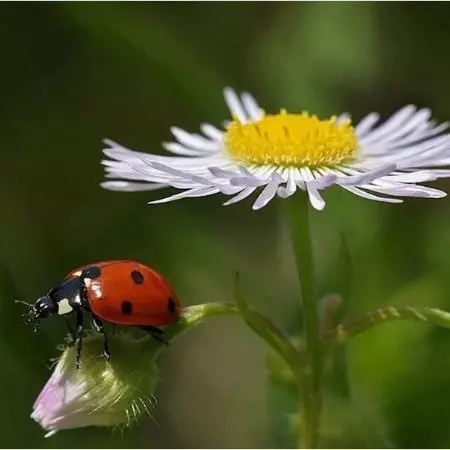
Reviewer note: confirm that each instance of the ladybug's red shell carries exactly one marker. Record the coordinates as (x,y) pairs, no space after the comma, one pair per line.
(128,293)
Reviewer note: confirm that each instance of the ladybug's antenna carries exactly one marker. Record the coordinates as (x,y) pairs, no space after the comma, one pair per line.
(23,302)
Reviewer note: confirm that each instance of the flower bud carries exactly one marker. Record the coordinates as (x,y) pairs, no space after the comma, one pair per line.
(100,393)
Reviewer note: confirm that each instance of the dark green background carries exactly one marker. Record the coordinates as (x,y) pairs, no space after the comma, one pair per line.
(72,74)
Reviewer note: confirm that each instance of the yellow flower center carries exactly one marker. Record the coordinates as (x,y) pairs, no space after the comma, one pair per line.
(298,140)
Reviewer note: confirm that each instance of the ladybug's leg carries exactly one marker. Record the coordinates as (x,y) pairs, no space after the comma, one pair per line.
(155,332)
(99,328)
(80,329)
(71,331)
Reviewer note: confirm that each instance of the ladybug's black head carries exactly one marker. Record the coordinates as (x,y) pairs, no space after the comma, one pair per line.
(44,307)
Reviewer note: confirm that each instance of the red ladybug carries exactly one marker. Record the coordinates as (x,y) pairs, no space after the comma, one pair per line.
(119,292)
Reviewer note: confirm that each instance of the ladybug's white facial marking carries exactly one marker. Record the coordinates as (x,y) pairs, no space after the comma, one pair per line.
(87,282)
(77,273)
(64,307)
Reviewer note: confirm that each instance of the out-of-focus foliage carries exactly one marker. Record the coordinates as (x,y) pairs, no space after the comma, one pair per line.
(74,73)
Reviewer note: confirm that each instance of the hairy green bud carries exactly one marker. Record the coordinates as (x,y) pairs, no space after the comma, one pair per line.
(100,393)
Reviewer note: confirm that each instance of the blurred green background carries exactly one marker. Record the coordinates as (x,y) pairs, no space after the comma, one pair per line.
(74,73)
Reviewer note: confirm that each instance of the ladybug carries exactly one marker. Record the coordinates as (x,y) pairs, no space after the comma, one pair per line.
(119,292)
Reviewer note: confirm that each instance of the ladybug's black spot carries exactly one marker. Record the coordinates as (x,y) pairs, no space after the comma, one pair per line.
(171,305)
(91,272)
(127,307)
(137,277)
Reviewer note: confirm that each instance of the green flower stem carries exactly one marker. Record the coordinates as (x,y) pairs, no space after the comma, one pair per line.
(297,209)
(192,316)
(344,332)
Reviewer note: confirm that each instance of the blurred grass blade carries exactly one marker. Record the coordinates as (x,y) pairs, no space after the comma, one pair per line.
(267,330)
(282,402)
(282,387)
(339,361)
(347,274)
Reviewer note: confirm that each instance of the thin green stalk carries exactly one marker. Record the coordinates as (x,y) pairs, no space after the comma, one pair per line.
(346,331)
(297,209)
(191,316)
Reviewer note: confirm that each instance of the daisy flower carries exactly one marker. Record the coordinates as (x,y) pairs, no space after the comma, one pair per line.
(271,155)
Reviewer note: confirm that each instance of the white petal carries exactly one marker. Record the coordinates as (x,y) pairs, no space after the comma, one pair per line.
(439,162)
(241,196)
(136,176)
(323,179)
(179,149)
(361,193)
(316,200)
(424,153)
(212,132)
(268,193)
(416,148)
(420,134)
(189,179)
(247,173)
(185,184)
(405,122)
(417,129)
(195,192)
(441,173)
(50,433)
(247,181)
(365,177)
(118,152)
(111,143)
(227,189)
(126,186)
(257,176)
(251,106)
(234,105)
(172,171)
(222,173)
(409,191)
(128,157)
(366,124)
(415,177)
(263,173)
(291,186)
(193,140)
(299,181)
(386,183)
(395,121)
